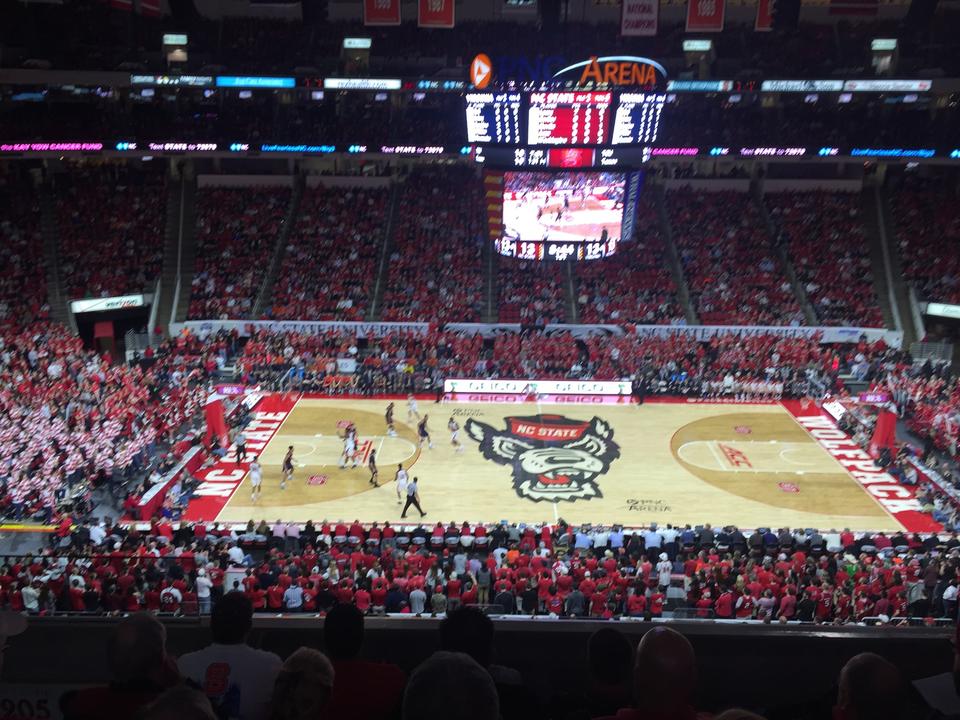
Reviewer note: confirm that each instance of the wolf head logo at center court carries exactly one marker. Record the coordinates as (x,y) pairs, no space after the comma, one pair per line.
(553,457)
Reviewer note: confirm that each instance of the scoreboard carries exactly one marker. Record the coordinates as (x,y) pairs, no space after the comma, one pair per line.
(493,118)
(563,119)
(569,118)
(637,120)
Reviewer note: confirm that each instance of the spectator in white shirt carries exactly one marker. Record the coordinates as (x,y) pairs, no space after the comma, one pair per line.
(31,597)
(236,555)
(204,585)
(950,600)
(242,683)
(600,538)
(97,534)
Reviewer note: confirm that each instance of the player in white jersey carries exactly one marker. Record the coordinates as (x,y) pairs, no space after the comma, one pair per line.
(412,411)
(402,479)
(454,429)
(256,479)
(349,448)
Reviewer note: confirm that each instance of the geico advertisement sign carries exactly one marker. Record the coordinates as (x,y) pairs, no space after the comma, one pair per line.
(548,387)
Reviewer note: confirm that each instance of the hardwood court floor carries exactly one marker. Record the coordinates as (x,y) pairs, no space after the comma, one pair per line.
(748,464)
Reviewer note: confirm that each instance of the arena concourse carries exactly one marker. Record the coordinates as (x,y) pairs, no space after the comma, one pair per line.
(509,362)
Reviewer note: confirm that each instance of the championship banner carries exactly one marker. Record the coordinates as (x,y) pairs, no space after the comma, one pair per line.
(764,21)
(639,17)
(381,12)
(436,13)
(705,15)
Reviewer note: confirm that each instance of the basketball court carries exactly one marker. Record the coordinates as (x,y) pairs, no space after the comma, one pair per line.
(681,462)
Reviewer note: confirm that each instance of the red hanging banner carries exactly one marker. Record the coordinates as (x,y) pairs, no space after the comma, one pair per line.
(381,12)
(705,15)
(884,433)
(764,22)
(435,13)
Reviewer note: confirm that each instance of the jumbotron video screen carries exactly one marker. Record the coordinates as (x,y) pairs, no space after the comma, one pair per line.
(562,215)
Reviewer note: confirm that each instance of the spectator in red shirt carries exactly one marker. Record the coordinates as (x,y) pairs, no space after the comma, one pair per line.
(724,605)
(363,689)
(275,598)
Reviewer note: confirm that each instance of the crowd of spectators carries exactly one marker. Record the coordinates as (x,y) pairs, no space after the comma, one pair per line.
(672,364)
(824,236)
(237,231)
(635,285)
(732,269)
(927,229)
(532,293)
(657,678)
(110,229)
(600,571)
(398,362)
(72,420)
(330,263)
(435,272)
(23,277)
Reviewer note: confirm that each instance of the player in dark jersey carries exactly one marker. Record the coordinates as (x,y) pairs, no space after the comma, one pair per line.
(287,468)
(424,433)
(372,464)
(388,416)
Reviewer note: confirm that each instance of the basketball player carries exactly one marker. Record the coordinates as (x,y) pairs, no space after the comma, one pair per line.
(388,416)
(256,479)
(424,433)
(454,429)
(287,468)
(372,464)
(349,447)
(401,479)
(412,411)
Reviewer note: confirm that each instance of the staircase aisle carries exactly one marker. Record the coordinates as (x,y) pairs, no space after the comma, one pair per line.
(673,256)
(50,231)
(265,296)
(383,269)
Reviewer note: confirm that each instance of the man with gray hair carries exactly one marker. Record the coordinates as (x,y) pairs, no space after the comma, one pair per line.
(443,681)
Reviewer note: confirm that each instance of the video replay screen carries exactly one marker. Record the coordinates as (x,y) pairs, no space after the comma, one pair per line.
(577,207)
